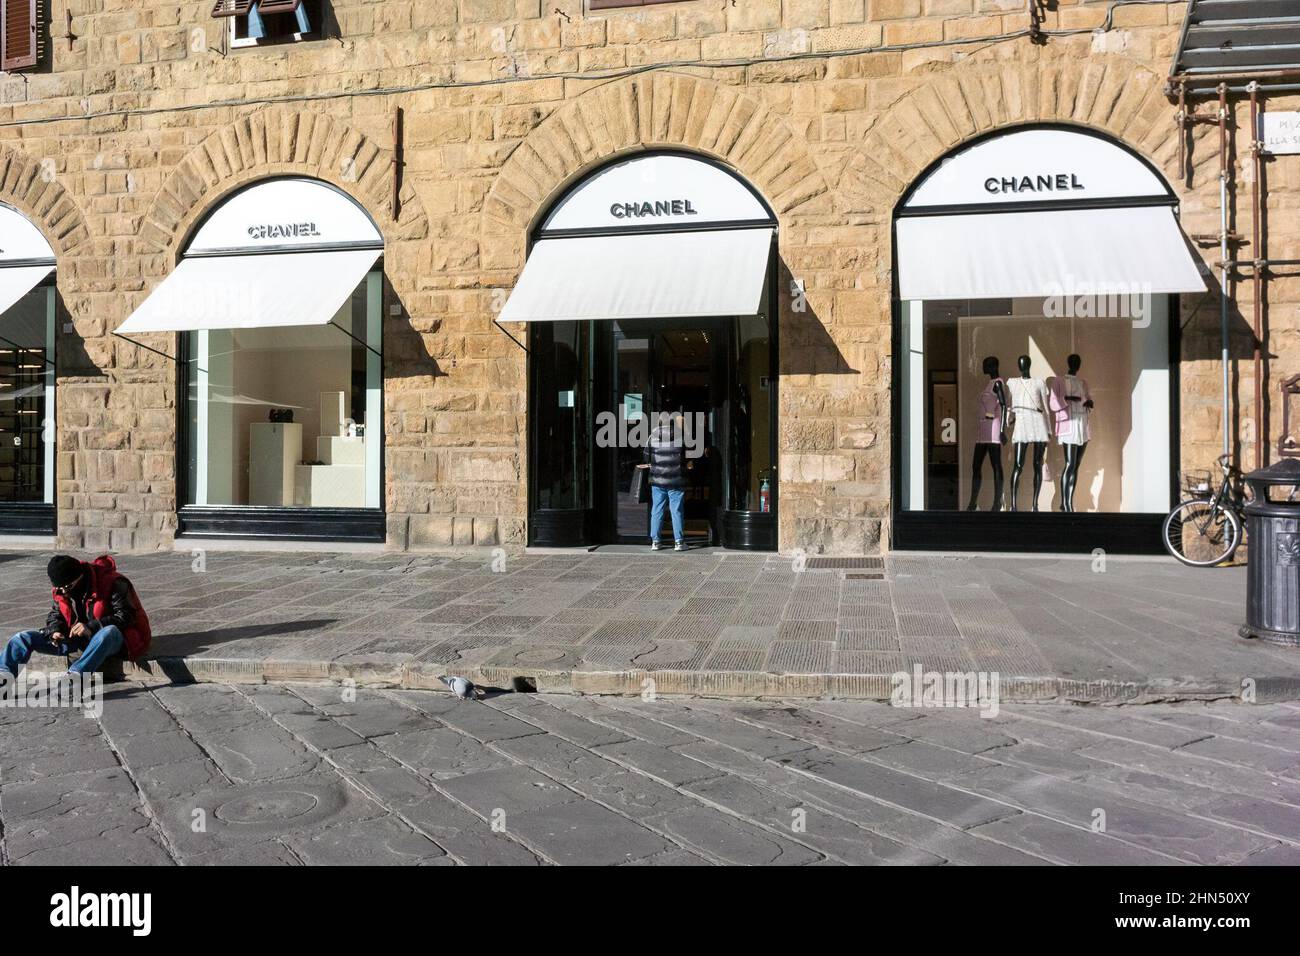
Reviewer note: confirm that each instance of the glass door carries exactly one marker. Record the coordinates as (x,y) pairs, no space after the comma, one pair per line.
(667,369)
(633,401)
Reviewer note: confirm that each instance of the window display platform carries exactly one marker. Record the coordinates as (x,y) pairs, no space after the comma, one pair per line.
(35,518)
(1028,532)
(284,524)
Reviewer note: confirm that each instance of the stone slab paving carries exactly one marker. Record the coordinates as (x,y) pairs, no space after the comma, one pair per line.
(717,624)
(290,774)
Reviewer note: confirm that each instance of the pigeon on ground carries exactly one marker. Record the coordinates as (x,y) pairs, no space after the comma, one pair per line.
(461,687)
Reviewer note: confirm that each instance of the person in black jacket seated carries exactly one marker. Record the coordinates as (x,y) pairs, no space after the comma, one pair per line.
(665,456)
(94,610)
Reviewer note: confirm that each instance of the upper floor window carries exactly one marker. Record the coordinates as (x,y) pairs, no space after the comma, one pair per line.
(20,40)
(256,22)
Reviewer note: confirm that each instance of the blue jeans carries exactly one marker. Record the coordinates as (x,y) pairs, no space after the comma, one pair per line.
(106,642)
(674,498)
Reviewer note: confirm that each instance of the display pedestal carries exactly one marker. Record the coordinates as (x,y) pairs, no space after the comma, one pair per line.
(331,486)
(341,481)
(275,448)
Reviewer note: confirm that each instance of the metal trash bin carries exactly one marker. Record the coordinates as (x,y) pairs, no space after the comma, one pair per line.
(1273,556)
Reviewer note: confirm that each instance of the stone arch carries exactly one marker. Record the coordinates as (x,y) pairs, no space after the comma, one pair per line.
(34,190)
(277,142)
(1111,94)
(660,110)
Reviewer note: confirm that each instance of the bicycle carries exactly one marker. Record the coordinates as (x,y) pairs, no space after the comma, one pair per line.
(1205,529)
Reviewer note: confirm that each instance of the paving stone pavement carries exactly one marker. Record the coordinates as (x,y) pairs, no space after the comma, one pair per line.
(310,774)
(703,623)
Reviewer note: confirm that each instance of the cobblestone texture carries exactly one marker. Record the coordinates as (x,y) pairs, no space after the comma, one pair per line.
(306,774)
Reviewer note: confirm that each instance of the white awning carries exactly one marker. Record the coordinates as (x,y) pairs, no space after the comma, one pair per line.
(252,291)
(666,275)
(1138,249)
(17,281)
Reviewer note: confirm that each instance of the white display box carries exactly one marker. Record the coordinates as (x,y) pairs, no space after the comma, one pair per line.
(338,450)
(331,486)
(333,413)
(275,448)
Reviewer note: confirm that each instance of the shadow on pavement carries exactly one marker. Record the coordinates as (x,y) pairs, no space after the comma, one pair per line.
(193,642)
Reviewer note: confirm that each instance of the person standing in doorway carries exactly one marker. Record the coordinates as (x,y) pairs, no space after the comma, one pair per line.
(665,456)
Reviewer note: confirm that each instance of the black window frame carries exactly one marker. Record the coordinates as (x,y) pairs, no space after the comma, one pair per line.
(39,518)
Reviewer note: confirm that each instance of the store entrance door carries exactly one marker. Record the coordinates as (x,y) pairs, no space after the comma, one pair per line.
(664,367)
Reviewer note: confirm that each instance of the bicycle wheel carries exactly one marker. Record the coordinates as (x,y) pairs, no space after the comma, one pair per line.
(1201,535)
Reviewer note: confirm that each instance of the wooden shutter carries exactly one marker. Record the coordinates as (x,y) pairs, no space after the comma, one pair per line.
(278,6)
(232,8)
(18,45)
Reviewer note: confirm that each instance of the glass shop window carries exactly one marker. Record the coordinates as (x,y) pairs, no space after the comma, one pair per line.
(561,413)
(1069,394)
(27,398)
(289,417)
(752,481)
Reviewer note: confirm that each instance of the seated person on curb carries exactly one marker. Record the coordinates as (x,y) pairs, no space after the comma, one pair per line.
(95,610)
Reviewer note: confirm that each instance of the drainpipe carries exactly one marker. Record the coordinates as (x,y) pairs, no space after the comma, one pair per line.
(1223,252)
(1257,279)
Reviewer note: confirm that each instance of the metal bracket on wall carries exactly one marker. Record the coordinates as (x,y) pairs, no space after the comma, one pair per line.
(147,348)
(366,345)
(509,336)
(1288,445)
(1037,14)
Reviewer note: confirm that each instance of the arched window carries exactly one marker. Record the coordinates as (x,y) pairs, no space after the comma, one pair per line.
(278,299)
(648,293)
(1036,273)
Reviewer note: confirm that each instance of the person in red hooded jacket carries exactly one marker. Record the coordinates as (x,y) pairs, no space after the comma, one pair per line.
(95,610)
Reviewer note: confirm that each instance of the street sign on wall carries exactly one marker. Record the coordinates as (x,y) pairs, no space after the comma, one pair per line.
(1280,132)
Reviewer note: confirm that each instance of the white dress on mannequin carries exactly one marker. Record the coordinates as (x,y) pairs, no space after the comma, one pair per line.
(1069,393)
(1029,403)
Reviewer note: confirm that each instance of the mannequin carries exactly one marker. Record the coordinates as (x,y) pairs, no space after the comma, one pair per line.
(989,436)
(1072,408)
(1029,404)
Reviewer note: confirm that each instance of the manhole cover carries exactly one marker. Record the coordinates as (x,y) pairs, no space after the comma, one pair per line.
(266,806)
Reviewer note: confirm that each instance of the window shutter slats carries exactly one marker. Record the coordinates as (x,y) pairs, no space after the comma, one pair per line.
(18,44)
(278,6)
(232,8)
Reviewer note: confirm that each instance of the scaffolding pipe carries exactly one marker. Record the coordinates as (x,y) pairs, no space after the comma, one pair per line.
(1285,73)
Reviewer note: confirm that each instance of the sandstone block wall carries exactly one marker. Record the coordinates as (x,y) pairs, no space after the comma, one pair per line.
(143,118)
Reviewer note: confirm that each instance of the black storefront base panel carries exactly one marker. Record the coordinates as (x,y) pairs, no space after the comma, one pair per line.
(749,530)
(36,518)
(1028,532)
(561,528)
(283,524)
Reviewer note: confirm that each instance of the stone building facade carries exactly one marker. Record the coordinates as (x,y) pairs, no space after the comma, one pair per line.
(142,118)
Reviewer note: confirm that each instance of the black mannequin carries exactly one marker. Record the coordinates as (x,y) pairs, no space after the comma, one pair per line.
(990,449)
(1040,449)
(1073,452)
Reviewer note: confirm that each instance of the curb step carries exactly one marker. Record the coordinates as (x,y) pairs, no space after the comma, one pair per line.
(738,684)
